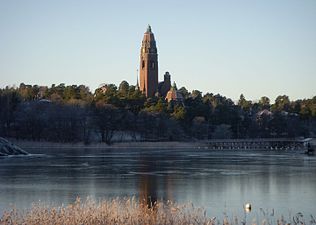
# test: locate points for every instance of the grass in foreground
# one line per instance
(125, 211)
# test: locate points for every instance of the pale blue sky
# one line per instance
(257, 48)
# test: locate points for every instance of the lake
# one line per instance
(220, 181)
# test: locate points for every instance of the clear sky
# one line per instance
(258, 48)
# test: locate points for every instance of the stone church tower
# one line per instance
(148, 64)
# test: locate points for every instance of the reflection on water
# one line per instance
(220, 181)
(148, 182)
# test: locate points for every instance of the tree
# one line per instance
(184, 92)
(9, 102)
(135, 101)
(161, 106)
(264, 103)
(28, 92)
(243, 103)
(179, 112)
(263, 120)
(196, 94)
(107, 120)
(31, 120)
(107, 94)
(123, 88)
(73, 112)
(222, 131)
(282, 103)
(277, 125)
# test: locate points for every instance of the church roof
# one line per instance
(174, 95)
(264, 112)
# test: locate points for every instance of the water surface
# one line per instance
(220, 181)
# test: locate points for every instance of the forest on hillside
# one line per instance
(73, 113)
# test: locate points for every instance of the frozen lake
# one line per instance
(219, 181)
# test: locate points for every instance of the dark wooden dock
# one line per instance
(258, 144)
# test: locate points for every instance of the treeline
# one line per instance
(73, 113)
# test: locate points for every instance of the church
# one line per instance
(148, 71)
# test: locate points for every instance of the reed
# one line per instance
(127, 211)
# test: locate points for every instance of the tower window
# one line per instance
(143, 64)
(152, 65)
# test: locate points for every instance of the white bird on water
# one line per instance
(247, 207)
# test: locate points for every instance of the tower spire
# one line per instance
(137, 84)
(149, 29)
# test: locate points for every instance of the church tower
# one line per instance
(148, 64)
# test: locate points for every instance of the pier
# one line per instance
(257, 144)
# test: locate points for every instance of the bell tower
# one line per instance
(148, 70)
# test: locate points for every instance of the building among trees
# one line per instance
(152, 111)
(174, 95)
(165, 85)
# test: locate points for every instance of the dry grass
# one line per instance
(117, 211)
(121, 211)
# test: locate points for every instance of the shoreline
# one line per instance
(237, 144)
(170, 144)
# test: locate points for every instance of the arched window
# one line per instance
(143, 64)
